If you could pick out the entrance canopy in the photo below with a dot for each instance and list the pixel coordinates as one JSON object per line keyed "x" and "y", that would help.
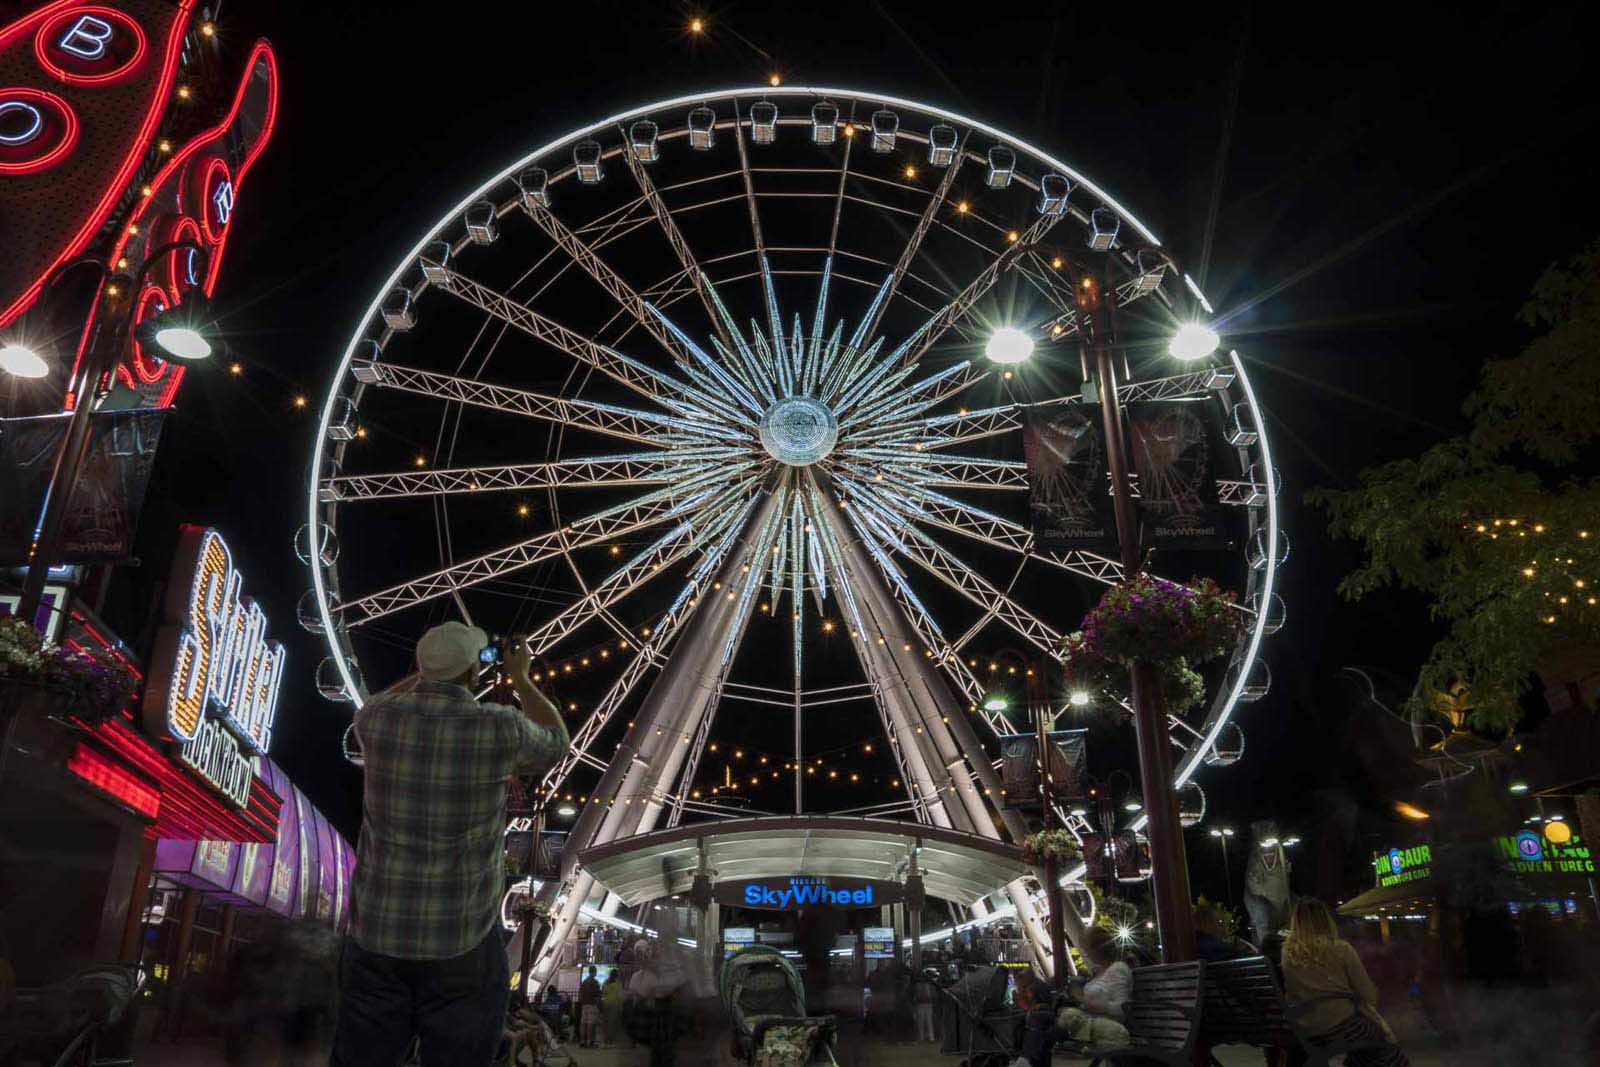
{"x": 955, "y": 866}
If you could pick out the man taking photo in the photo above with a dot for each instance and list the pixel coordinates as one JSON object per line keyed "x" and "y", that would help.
{"x": 425, "y": 956}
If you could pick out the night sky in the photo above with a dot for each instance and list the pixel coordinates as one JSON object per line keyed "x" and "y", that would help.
{"x": 1367, "y": 198}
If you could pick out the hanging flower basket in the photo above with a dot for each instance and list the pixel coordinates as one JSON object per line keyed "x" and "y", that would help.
{"x": 1151, "y": 620}
{"x": 1162, "y": 624}
{"x": 1057, "y": 845}
{"x": 92, "y": 684}
{"x": 1182, "y": 687}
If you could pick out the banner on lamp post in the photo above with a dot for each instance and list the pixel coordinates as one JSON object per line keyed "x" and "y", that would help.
{"x": 1176, "y": 455}
{"x": 1069, "y": 500}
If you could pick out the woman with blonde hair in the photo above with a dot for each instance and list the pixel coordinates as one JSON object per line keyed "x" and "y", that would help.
{"x": 1330, "y": 997}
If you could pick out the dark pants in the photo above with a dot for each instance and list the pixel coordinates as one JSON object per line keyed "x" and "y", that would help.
{"x": 456, "y": 1006}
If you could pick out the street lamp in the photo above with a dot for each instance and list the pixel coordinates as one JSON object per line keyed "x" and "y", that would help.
{"x": 1222, "y": 833}
{"x": 20, "y": 361}
{"x": 1193, "y": 341}
{"x": 99, "y": 360}
{"x": 1008, "y": 346}
{"x": 1079, "y": 698}
{"x": 1096, "y": 301}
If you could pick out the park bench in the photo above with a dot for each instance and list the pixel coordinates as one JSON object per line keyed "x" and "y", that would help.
{"x": 1243, "y": 1005}
{"x": 1162, "y": 1016}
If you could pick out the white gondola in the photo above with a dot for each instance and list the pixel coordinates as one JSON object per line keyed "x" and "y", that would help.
{"x": 824, "y": 122}
{"x": 941, "y": 145}
{"x": 1276, "y": 613}
{"x": 586, "y": 161}
{"x": 435, "y": 261}
{"x": 642, "y": 138}
{"x": 1229, "y": 747}
{"x": 399, "y": 313}
{"x": 1002, "y": 165}
{"x": 308, "y": 613}
{"x": 1053, "y": 192}
{"x": 1258, "y": 479}
{"x": 352, "y": 747}
{"x": 327, "y": 550}
{"x": 342, "y": 423}
{"x": 1256, "y": 682}
{"x": 1103, "y": 226}
{"x": 482, "y": 226}
{"x": 702, "y": 128}
{"x": 533, "y": 188}
{"x": 1256, "y": 554}
{"x": 763, "y": 122}
{"x": 1242, "y": 427}
{"x": 364, "y": 364}
{"x": 885, "y": 124}
{"x": 1191, "y": 804}
{"x": 1151, "y": 267}
{"x": 329, "y": 682}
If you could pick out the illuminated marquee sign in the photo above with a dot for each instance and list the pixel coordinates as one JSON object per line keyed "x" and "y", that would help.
{"x": 215, "y": 685}
{"x": 1401, "y": 865}
{"x": 787, "y": 894}
{"x": 1533, "y": 853}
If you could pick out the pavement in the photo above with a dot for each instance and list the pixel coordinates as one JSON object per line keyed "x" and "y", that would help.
{"x": 854, "y": 1051}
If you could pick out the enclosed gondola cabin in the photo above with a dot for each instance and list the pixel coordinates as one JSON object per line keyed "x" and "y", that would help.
{"x": 941, "y": 145}
{"x": 763, "y": 122}
{"x": 644, "y": 138}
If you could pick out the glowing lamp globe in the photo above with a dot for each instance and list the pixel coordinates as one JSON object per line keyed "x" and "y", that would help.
{"x": 1557, "y": 832}
{"x": 20, "y": 361}
{"x": 182, "y": 342}
{"x": 566, "y": 811}
{"x": 1079, "y": 698}
{"x": 995, "y": 702}
{"x": 1008, "y": 346}
{"x": 1193, "y": 341}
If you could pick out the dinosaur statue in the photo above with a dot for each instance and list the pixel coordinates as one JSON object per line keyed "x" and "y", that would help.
{"x": 1266, "y": 881}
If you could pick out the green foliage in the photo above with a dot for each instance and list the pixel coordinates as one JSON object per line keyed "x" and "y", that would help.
{"x": 1490, "y": 526}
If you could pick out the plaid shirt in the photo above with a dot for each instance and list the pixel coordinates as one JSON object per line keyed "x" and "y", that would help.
{"x": 430, "y": 868}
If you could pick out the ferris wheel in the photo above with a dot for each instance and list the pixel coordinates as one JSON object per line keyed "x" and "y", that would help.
{"x": 708, "y": 377}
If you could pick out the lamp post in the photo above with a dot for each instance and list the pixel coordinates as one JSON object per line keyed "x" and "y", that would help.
{"x": 1096, "y": 300}
{"x": 999, "y": 701}
{"x": 108, "y": 337}
{"x": 1222, "y": 833}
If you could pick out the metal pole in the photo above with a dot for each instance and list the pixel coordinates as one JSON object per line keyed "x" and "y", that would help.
{"x": 799, "y": 753}
{"x": 1169, "y": 866}
{"x": 1052, "y": 877}
{"x": 99, "y": 359}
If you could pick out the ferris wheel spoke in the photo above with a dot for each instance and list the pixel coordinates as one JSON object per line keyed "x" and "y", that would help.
{"x": 913, "y": 245}
{"x": 645, "y": 468}
{"x": 726, "y": 383}
{"x": 936, "y": 469}
{"x": 678, "y": 543}
{"x": 1197, "y": 383}
{"x": 674, "y": 236}
{"x": 644, "y": 427}
{"x": 963, "y": 302}
{"x": 917, "y": 397}
{"x": 601, "y": 271}
{"x": 617, "y": 521}
{"x": 942, "y": 431}
{"x": 639, "y": 377}
{"x": 651, "y": 654}
{"x": 937, "y": 509}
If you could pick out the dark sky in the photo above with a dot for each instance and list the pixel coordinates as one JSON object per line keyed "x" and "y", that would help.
{"x": 1370, "y": 193}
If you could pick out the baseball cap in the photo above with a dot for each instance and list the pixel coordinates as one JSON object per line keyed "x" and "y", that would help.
{"x": 449, "y": 649}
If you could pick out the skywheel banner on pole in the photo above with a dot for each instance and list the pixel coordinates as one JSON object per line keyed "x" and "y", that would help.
{"x": 1176, "y": 453}
{"x": 1069, "y": 500}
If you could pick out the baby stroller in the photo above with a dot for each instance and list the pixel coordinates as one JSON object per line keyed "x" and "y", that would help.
{"x": 766, "y": 1001}
{"x": 978, "y": 1025}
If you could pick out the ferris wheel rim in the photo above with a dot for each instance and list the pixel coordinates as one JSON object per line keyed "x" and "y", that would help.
{"x": 1217, "y": 720}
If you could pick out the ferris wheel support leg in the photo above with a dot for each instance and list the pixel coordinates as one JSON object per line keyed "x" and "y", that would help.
{"x": 652, "y": 753}
{"x": 919, "y": 699}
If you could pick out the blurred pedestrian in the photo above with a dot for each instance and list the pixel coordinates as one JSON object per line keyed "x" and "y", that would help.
{"x": 426, "y": 955}
{"x": 1323, "y": 975}
{"x": 589, "y": 1009}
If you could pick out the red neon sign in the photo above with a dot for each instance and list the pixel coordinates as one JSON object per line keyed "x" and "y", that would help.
{"x": 108, "y": 776}
{"x": 53, "y": 217}
{"x": 47, "y": 130}
{"x": 88, "y": 44}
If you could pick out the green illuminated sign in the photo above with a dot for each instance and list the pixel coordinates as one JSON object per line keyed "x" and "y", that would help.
{"x": 1534, "y": 853}
{"x": 1401, "y": 865}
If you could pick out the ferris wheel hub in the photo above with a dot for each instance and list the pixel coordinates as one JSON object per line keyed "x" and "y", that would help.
{"x": 799, "y": 431}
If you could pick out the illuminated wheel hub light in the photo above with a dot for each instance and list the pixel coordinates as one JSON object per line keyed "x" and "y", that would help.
{"x": 798, "y": 431}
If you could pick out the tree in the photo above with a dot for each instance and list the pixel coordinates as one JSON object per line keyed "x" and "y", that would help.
{"x": 1498, "y": 527}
